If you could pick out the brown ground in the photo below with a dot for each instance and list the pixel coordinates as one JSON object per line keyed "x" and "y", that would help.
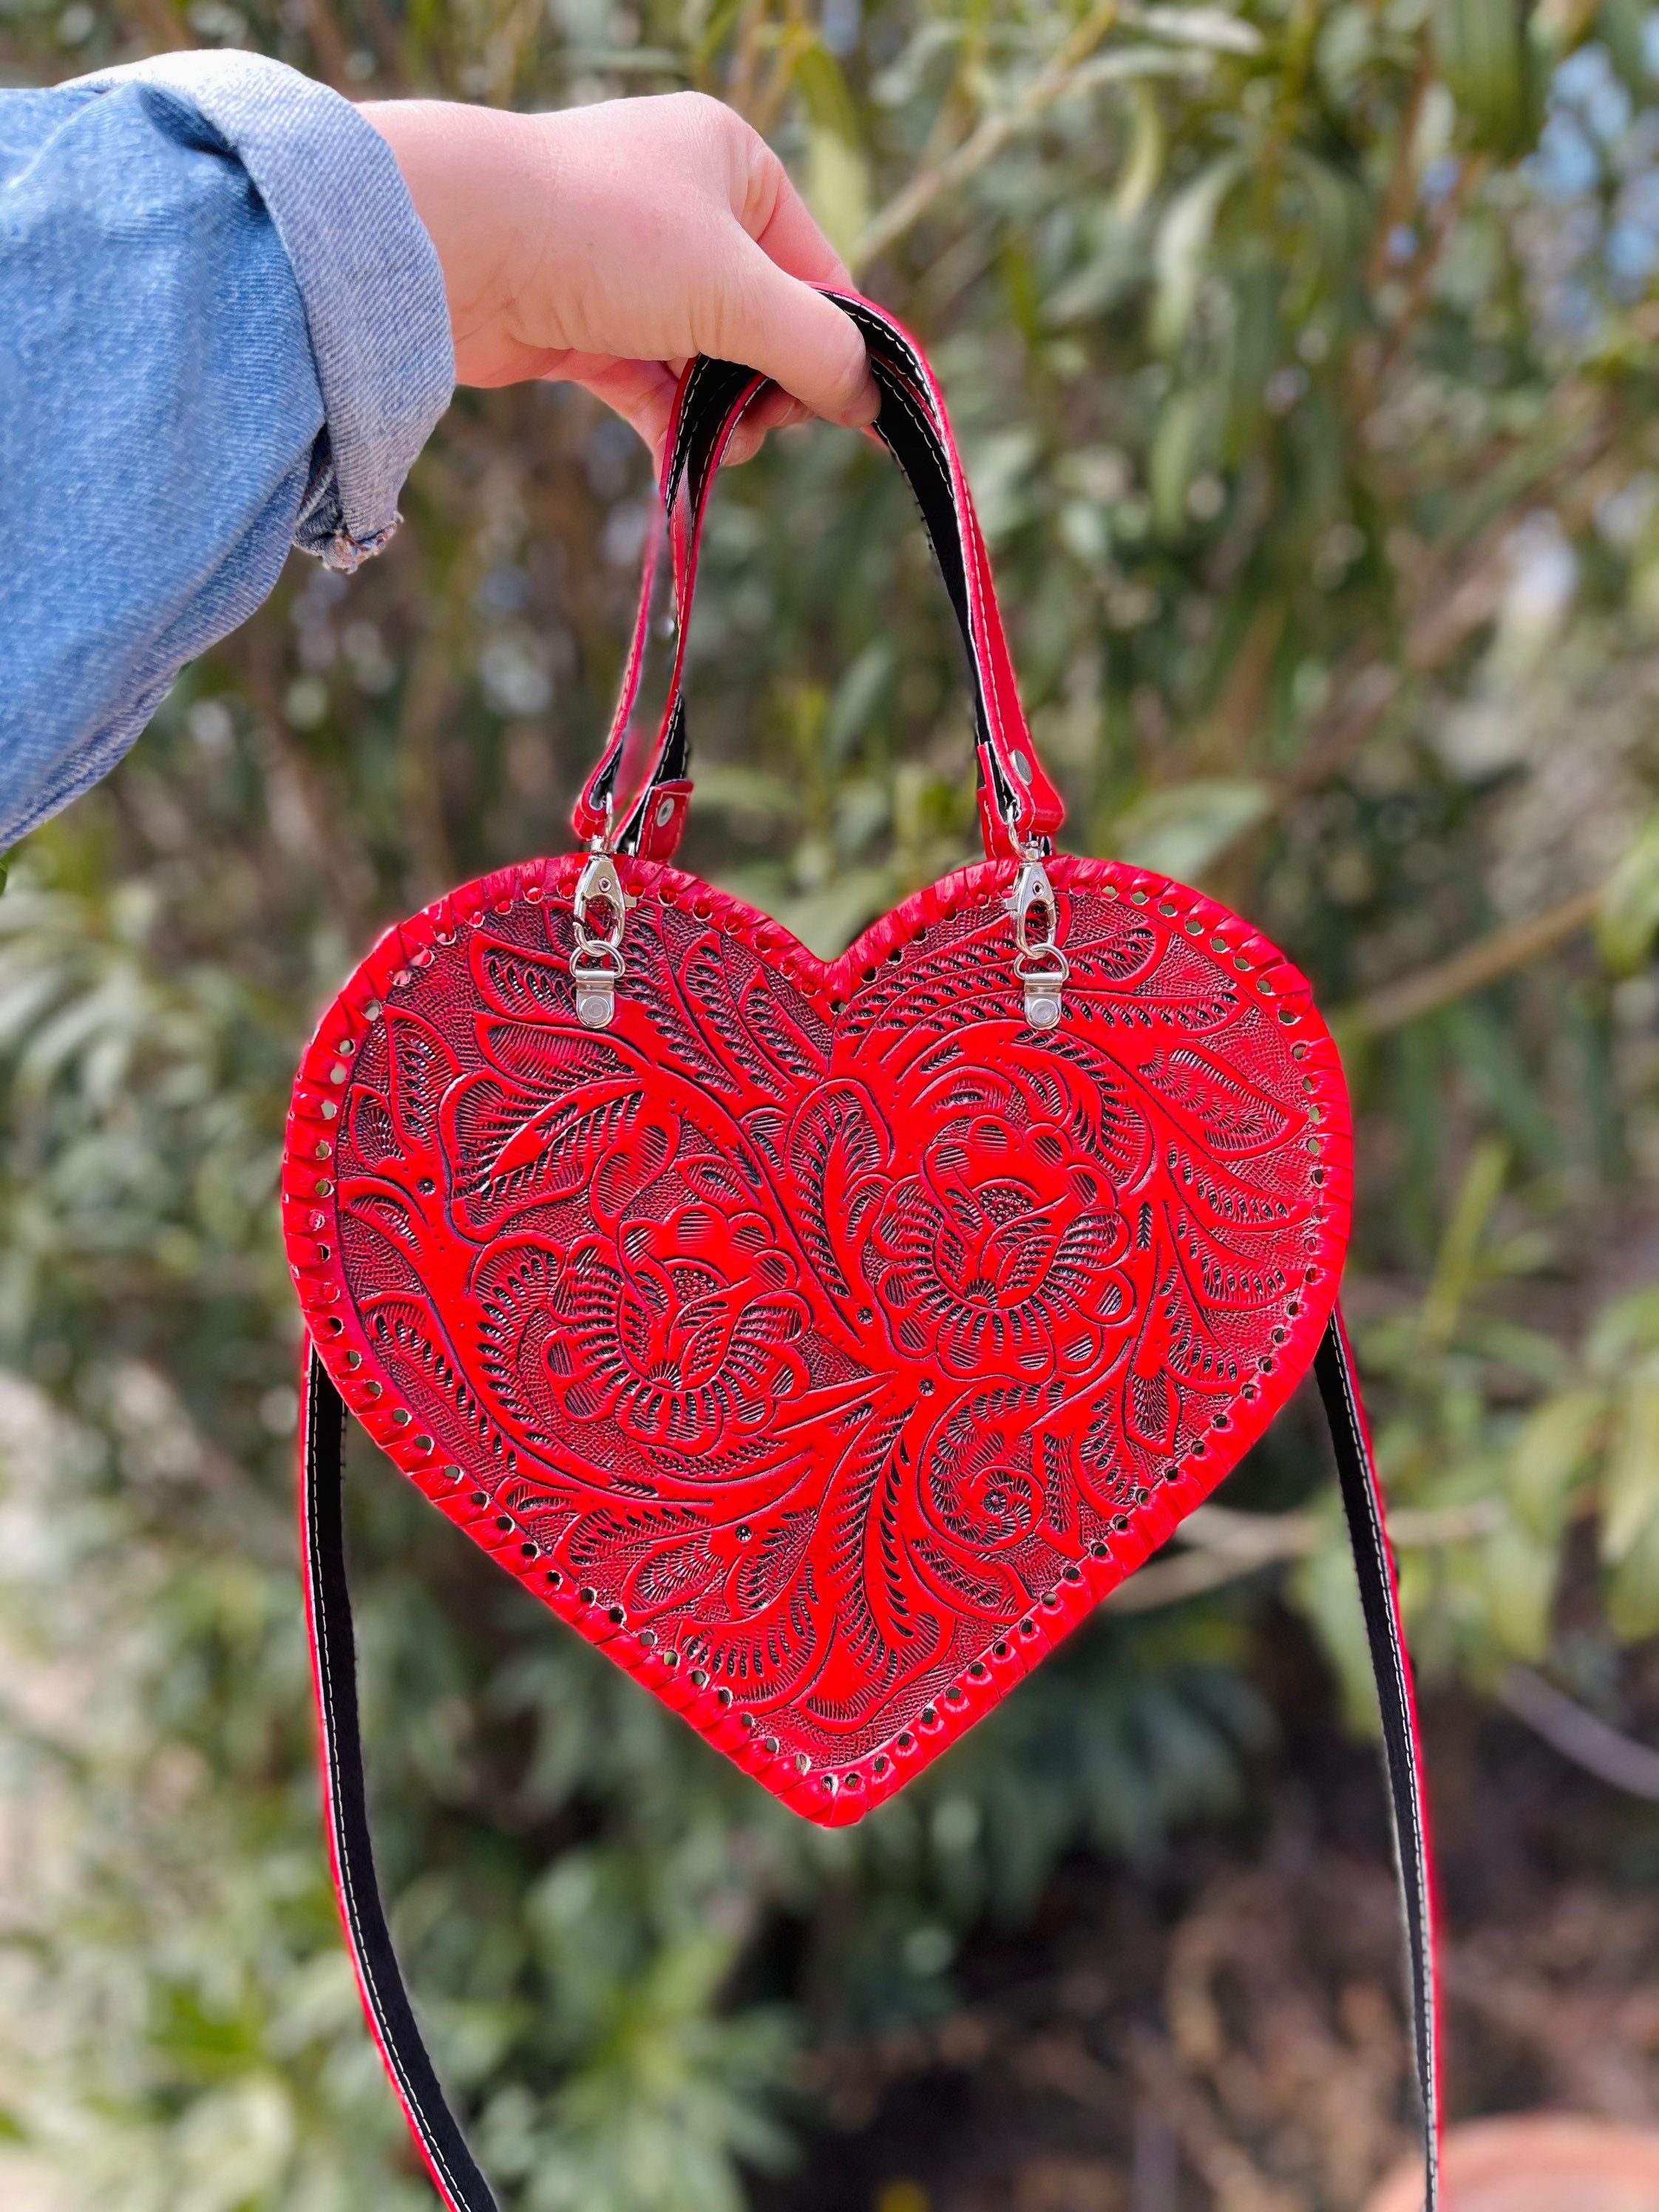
{"x": 1227, "y": 2035}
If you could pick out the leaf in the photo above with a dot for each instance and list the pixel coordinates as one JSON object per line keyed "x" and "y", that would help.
{"x": 999, "y": 468}
{"x": 824, "y": 91}
{"x": 1620, "y": 25}
{"x": 1457, "y": 1263}
{"x": 858, "y": 697}
{"x": 1629, "y": 920}
{"x": 1326, "y": 1591}
{"x": 1627, "y": 1329}
{"x": 1337, "y": 210}
{"x": 837, "y": 174}
{"x": 1517, "y": 1574}
{"x": 736, "y": 789}
{"x": 1108, "y": 274}
{"x": 1211, "y": 27}
{"x": 1629, "y": 1487}
{"x": 1633, "y": 1586}
{"x": 1485, "y": 1049}
{"x": 1182, "y": 247}
{"x": 1484, "y": 57}
{"x": 1181, "y": 828}
{"x": 1170, "y": 464}
{"x": 837, "y": 188}
{"x": 1553, "y": 1450}
{"x": 1144, "y": 164}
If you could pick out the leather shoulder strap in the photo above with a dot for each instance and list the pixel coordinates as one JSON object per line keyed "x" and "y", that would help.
{"x": 1402, "y": 1750}
{"x": 345, "y": 1805}
{"x": 392, "y": 2019}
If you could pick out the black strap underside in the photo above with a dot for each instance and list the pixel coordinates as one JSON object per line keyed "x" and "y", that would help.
{"x": 454, "y": 2172}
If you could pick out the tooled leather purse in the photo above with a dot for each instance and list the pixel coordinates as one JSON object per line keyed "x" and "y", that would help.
{"x": 822, "y": 1340}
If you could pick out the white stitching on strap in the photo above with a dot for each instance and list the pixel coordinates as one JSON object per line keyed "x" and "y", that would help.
{"x": 739, "y": 407}
{"x": 907, "y": 400}
{"x": 342, "y": 1861}
{"x": 633, "y": 672}
{"x": 922, "y": 376}
{"x": 683, "y": 431}
{"x": 1374, "y": 1530}
{"x": 962, "y": 502}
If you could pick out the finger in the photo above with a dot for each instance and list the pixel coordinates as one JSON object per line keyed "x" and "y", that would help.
{"x": 743, "y": 444}
{"x": 777, "y": 218}
{"x": 774, "y": 411}
{"x": 782, "y": 326}
{"x": 641, "y": 392}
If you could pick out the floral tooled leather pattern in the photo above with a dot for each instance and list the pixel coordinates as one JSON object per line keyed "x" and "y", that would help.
{"x": 822, "y": 1339}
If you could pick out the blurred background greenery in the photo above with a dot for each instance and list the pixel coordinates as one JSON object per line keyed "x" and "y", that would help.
{"x": 1305, "y": 356}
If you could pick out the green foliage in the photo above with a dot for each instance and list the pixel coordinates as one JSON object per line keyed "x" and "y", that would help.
{"x": 1305, "y": 363}
{"x": 1630, "y": 908}
{"x": 1493, "y": 70}
{"x": 1499, "y": 1438}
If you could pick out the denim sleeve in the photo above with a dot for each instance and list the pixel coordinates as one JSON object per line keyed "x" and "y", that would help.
{"x": 222, "y": 331}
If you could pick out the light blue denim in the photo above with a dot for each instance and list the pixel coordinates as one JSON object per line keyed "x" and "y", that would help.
{"x": 222, "y": 332}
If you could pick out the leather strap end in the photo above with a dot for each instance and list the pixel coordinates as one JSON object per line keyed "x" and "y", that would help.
{"x": 669, "y": 804}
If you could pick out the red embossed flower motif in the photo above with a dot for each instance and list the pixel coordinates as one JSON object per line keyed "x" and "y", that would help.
{"x": 981, "y": 1487}
{"x": 681, "y": 1331}
{"x": 1002, "y": 1251}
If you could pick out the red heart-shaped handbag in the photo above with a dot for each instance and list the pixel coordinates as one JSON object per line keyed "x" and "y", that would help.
{"x": 822, "y": 1340}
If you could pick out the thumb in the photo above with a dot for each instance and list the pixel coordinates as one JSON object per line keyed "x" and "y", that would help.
{"x": 780, "y": 325}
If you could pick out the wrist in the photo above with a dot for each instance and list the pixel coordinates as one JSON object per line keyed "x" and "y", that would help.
{"x": 472, "y": 174}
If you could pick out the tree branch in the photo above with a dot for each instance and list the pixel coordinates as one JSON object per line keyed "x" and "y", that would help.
{"x": 983, "y": 145}
{"x": 1472, "y": 969}
{"x": 1579, "y": 1735}
{"x": 1227, "y": 1546}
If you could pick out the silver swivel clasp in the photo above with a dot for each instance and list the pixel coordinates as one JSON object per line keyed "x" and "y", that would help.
{"x": 597, "y": 965}
{"x": 1039, "y": 964}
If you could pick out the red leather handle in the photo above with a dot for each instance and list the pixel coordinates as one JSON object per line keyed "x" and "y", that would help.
{"x": 1019, "y": 806}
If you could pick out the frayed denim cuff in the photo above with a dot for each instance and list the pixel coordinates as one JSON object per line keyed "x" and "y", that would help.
{"x": 367, "y": 271}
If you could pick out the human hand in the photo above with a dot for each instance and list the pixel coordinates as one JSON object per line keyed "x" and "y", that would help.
{"x": 607, "y": 245}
